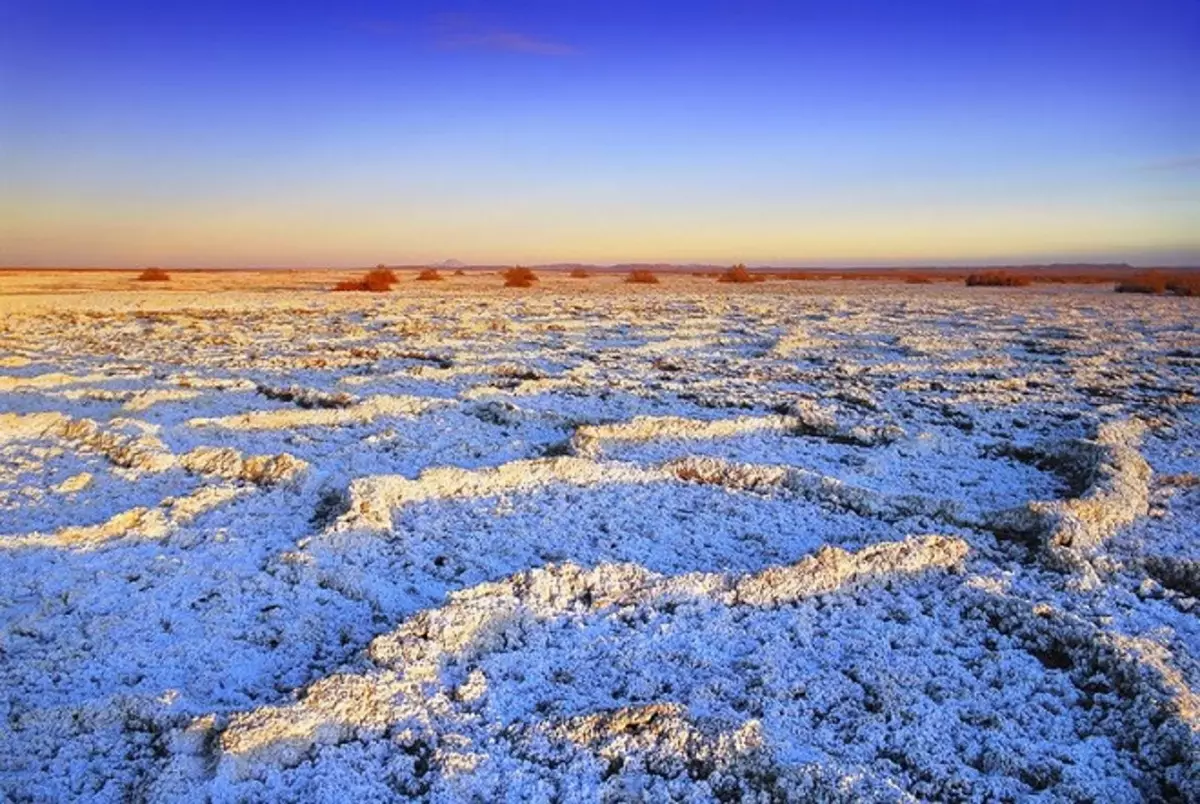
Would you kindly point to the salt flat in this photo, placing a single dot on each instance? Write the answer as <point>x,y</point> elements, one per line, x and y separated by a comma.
<point>590,541</point>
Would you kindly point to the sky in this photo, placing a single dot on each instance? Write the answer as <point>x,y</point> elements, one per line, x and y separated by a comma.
<point>788,133</point>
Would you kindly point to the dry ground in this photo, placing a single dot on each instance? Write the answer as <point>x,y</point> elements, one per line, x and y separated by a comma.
<point>596,541</point>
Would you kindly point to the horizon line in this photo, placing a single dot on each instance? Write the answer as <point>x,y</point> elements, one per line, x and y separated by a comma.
<point>665,266</point>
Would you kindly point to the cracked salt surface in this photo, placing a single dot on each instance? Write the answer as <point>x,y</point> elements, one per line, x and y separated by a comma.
<point>852,542</point>
<point>664,525</point>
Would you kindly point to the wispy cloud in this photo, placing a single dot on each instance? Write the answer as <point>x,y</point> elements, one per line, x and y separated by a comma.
<point>1178,163</point>
<point>467,31</point>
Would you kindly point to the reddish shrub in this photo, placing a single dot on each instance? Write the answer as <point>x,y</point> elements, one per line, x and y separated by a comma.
<point>997,279</point>
<point>154,275</point>
<point>460,272</point>
<point>641,276</point>
<point>429,275</point>
<point>917,279</point>
<point>579,273</point>
<point>797,276</point>
<point>1185,285</point>
<point>518,277</point>
<point>377,280</point>
<point>1149,282</point>
<point>739,274</point>
<point>1157,282</point>
<point>380,279</point>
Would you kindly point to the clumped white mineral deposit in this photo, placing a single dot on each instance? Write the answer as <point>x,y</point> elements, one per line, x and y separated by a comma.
<point>687,542</point>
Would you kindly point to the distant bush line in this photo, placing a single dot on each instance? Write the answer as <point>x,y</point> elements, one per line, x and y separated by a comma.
<point>1152,282</point>
<point>998,279</point>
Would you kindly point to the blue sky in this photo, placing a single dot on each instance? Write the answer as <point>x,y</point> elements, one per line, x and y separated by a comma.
<point>789,133</point>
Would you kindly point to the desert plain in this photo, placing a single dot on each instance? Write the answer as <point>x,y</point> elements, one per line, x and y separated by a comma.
<point>593,541</point>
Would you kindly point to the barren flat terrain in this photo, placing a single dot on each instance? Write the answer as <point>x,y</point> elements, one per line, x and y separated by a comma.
<point>590,541</point>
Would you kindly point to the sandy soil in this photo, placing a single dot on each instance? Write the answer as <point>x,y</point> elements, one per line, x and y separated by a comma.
<point>840,541</point>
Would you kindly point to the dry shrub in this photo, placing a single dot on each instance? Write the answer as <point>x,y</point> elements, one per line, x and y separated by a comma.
<point>1155,282</point>
<point>579,273</point>
<point>429,275</point>
<point>377,280</point>
<point>918,279</point>
<point>1184,285</point>
<point>154,275</point>
<point>460,272</point>
<point>739,274</point>
<point>641,276</point>
<point>518,277</point>
<point>1149,282</point>
<point>380,279</point>
<point>997,279</point>
<point>798,276</point>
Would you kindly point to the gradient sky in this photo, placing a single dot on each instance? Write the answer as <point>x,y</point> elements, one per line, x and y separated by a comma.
<point>300,133</point>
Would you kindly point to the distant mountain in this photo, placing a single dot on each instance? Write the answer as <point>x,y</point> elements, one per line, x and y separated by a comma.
<point>450,264</point>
